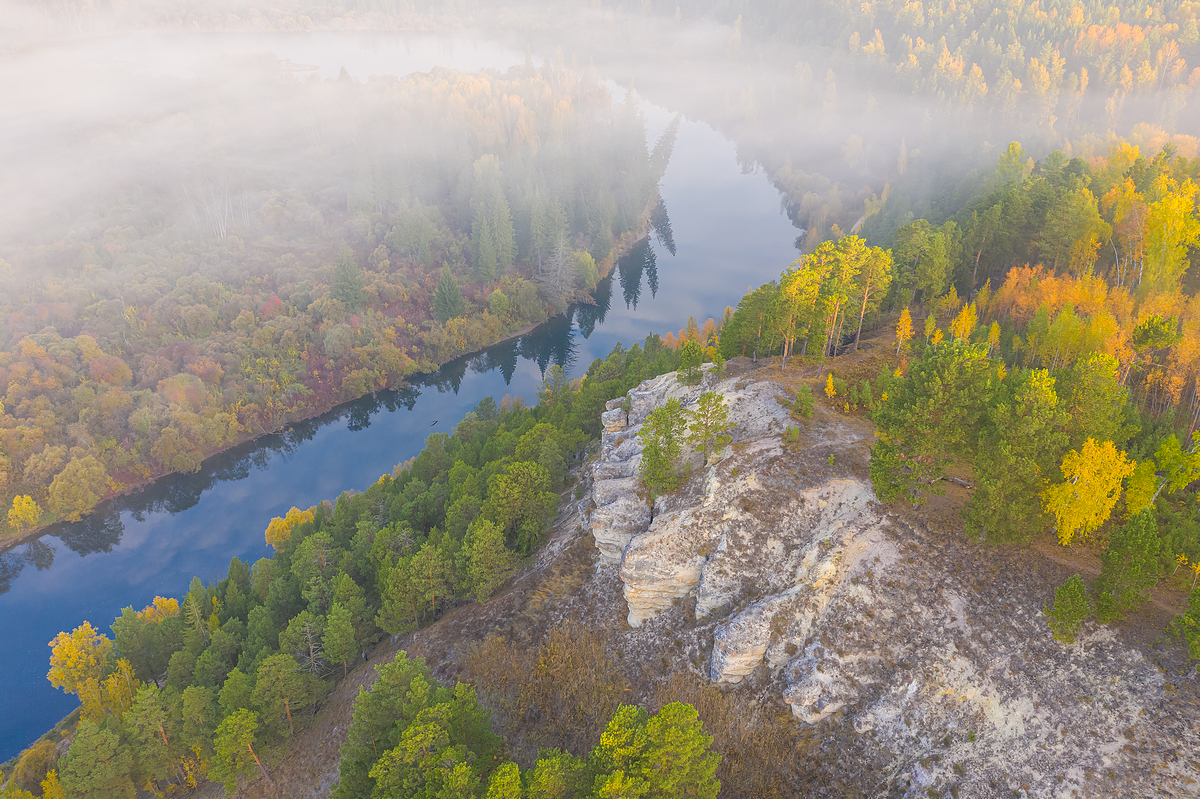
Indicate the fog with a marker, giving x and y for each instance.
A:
(102, 98)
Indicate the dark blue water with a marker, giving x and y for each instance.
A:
(728, 234)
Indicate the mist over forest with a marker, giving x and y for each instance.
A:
(993, 255)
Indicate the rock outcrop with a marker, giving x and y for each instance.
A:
(938, 661)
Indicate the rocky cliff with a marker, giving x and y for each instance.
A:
(931, 650)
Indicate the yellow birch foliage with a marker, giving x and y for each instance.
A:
(120, 688)
(280, 529)
(161, 608)
(830, 391)
(1141, 486)
(77, 657)
(24, 513)
(904, 330)
(1093, 486)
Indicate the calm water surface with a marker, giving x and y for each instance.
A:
(728, 234)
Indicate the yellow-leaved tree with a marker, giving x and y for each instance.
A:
(79, 662)
(1093, 485)
(24, 513)
(964, 324)
(280, 529)
(161, 608)
(904, 330)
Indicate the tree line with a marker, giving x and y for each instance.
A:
(411, 737)
(216, 682)
(142, 342)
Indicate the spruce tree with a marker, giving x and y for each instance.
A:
(348, 281)
(448, 302)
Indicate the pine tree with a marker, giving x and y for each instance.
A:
(486, 561)
(710, 423)
(505, 782)
(1070, 610)
(236, 693)
(97, 764)
(280, 691)
(339, 642)
(691, 359)
(400, 611)
(234, 756)
(1129, 568)
(448, 302)
(661, 438)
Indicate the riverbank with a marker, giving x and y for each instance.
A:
(622, 245)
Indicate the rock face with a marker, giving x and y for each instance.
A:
(938, 660)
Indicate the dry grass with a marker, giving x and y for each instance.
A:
(762, 747)
(560, 694)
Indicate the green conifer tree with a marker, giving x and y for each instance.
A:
(661, 438)
(234, 756)
(347, 283)
(339, 640)
(710, 423)
(448, 302)
(97, 764)
(1071, 608)
(1129, 567)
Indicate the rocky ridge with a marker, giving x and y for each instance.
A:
(933, 651)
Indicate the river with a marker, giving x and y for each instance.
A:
(728, 232)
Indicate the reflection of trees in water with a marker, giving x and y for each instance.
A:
(503, 356)
(99, 531)
(550, 343)
(640, 261)
(588, 316)
(36, 553)
(662, 226)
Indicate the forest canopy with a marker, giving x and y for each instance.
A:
(282, 269)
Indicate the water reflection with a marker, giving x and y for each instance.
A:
(12, 563)
(640, 262)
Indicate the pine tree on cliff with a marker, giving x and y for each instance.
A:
(661, 438)
(710, 423)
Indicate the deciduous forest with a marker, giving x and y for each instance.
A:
(407, 222)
